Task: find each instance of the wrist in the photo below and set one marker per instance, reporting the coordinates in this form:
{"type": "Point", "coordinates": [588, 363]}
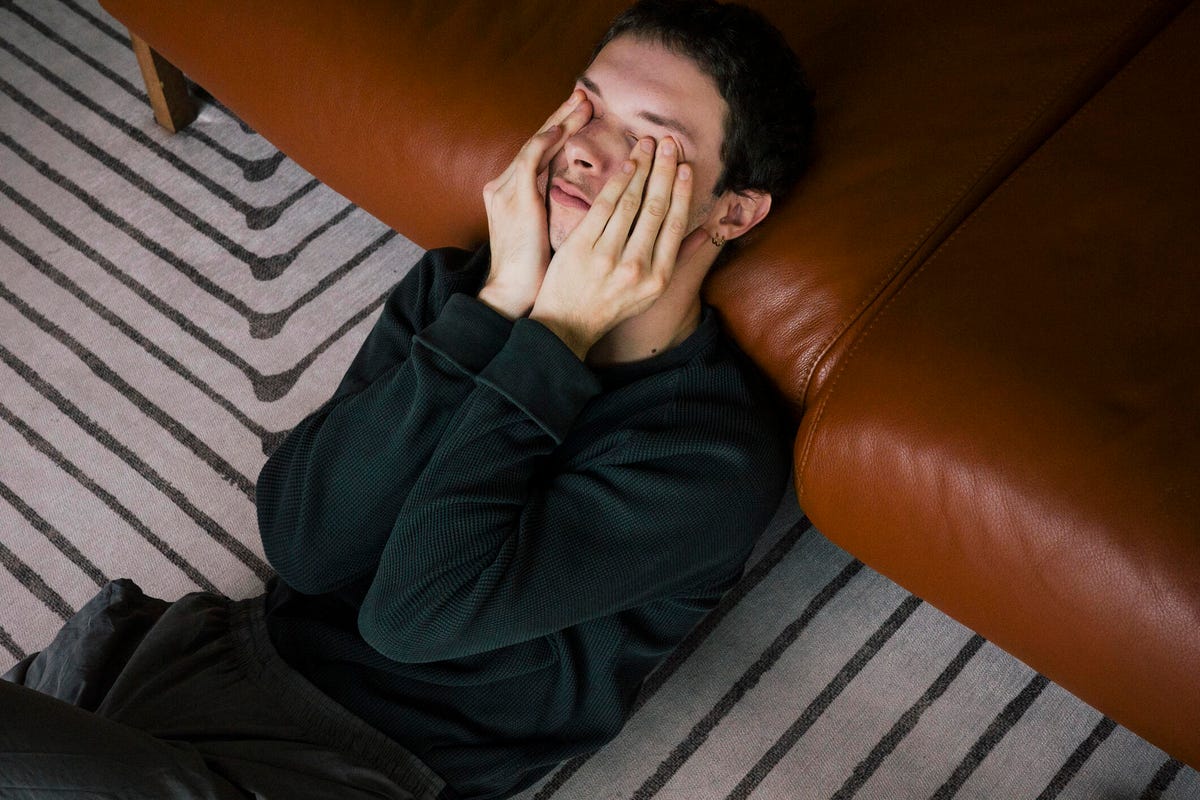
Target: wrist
{"type": "Point", "coordinates": [578, 341]}
{"type": "Point", "coordinates": [502, 302]}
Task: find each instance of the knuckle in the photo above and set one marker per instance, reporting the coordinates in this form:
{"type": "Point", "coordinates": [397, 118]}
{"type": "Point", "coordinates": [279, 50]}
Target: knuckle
{"type": "Point", "coordinates": [677, 226]}
{"type": "Point", "coordinates": [630, 204]}
{"type": "Point", "coordinates": [655, 208]}
{"type": "Point", "coordinates": [632, 268]}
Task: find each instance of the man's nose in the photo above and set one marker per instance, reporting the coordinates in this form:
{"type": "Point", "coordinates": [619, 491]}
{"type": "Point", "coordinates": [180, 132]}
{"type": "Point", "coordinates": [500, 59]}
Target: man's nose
{"type": "Point", "coordinates": [592, 150]}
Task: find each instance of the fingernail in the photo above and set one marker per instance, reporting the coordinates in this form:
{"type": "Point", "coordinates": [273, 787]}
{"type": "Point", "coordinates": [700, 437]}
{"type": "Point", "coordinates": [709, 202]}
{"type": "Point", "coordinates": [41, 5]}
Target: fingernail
{"type": "Point", "coordinates": [647, 145]}
{"type": "Point", "coordinates": [574, 99]}
{"type": "Point", "coordinates": [685, 172]}
{"type": "Point", "coordinates": [627, 167]}
{"type": "Point", "coordinates": [667, 147]}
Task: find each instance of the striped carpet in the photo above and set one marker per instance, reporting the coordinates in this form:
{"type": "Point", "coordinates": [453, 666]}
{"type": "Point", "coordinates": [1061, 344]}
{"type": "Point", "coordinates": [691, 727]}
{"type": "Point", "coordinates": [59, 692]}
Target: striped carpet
{"type": "Point", "coordinates": [170, 306]}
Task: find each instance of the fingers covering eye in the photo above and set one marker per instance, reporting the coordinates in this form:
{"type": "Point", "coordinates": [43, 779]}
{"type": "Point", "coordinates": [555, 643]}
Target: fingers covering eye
{"type": "Point", "coordinates": [631, 200]}
{"type": "Point", "coordinates": [661, 205]}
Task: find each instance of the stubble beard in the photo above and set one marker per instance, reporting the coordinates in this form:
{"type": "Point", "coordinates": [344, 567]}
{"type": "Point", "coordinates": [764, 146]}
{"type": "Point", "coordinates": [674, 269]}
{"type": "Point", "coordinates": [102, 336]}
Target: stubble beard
{"type": "Point", "coordinates": [558, 231]}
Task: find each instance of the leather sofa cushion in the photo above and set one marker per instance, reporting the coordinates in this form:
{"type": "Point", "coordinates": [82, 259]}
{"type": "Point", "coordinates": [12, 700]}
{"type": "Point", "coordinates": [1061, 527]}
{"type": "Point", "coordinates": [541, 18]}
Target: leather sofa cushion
{"type": "Point", "coordinates": [1015, 435]}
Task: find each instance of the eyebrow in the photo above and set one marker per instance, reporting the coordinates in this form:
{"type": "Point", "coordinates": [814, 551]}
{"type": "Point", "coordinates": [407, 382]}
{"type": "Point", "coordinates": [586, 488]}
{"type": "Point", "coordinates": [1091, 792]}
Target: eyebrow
{"type": "Point", "coordinates": [670, 123]}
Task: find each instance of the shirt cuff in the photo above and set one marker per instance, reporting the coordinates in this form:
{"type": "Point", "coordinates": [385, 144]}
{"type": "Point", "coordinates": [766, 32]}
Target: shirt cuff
{"type": "Point", "coordinates": [467, 332]}
{"type": "Point", "coordinates": [542, 376]}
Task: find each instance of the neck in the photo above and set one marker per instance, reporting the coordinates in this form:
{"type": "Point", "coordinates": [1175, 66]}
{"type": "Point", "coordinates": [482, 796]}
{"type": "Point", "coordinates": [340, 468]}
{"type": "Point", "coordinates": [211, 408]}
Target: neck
{"type": "Point", "coordinates": [666, 324]}
{"type": "Point", "coordinates": [654, 331]}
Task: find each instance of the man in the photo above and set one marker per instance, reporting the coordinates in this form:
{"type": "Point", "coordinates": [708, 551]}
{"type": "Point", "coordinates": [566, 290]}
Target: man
{"type": "Point", "coordinates": [545, 465]}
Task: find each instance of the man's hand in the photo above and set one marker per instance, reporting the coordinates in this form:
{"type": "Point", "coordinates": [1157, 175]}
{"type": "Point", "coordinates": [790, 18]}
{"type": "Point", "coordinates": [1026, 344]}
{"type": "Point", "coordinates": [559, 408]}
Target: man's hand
{"type": "Point", "coordinates": [604, 273]}
{"type": "Point", "coordinates": [516, 212]}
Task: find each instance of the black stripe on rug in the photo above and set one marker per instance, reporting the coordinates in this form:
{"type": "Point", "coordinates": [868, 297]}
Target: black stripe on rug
{"type": "Point", "coordinates": [177, 430]}
{"type": "Point", "coordinates": [996, 731]}
{"type": "Point", "coordinates": [817, 707]}
{"type": "Point", "coordinates": [684, 650]}
{"type": "Point", "coordinates": [135, 462]}
{"type": "Point", "coordinates": [867, 767]}
{"type": "Point", "coordinates": [52, 535]}
{"type": "Point", "coordinates": [1077, 759]}
{"type": "Point", "coordinates": [748, 680]}
{"type": "Point", "coordinates": [32, 581]}
{"type": "Point", "coordinates": [7, 642]}
{"type": "Point", "coordinates": [1162, 779]}
{"type": "Point", "coordinates": [43, 446]}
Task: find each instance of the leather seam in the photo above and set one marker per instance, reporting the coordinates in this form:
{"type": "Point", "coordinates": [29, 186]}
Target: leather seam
{"type": "Point", "coordinates": [1084, 110]}
{"type": "Point", "coordinates": [988, 162]}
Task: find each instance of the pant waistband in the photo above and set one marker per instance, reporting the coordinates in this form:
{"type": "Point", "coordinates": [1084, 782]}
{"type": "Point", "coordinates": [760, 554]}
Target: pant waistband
{"type": "Point", "coordinates": [319, 712]}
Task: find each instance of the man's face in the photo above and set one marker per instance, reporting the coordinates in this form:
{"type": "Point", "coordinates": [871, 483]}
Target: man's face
{"type": "Point", "coordinates": [637, 88]}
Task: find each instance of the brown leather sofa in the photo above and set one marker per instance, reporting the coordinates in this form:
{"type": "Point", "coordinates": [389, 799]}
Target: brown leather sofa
{"type": "Point", "coordinates": [982, 302]}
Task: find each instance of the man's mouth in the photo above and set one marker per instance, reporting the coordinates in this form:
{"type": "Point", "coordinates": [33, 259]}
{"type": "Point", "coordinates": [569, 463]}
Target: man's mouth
{"type": "Point", "coordinates": [569, 195]}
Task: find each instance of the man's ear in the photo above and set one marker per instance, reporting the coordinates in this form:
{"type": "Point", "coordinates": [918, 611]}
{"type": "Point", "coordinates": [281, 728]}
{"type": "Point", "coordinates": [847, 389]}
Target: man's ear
{"type": "Point", "coordinates": [742, 211]}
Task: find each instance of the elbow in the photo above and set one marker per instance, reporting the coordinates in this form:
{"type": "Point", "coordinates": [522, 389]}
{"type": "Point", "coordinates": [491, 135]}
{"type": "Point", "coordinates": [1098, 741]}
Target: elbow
{"type": "Point", "coordinates": [396, 631]}
{"type": "Point", "coordinates": [304, 582]}
{"type": "Point", "coordinates": [301, 577]}
{"type": "Point", "coordinates": [295, 562]}
{"type": "Point", "coordinates": [397, 642]}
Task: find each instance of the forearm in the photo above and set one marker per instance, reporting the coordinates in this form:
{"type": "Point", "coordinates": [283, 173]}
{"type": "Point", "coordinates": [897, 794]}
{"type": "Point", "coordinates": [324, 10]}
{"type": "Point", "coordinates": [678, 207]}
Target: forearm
{"type": "Point", "coordinates": [463, 518]}
{"type": "Point", "coordinates": [534, 516]}
{"type": "Point", "coordinates": [510, 304]}
{"type": "Point", "coordinates": [330, 495]}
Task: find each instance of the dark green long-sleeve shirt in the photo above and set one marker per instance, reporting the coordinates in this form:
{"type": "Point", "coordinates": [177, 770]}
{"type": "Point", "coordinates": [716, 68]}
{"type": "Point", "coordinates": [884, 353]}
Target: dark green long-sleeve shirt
{"type": "Point", "coordinates": [484, 545]}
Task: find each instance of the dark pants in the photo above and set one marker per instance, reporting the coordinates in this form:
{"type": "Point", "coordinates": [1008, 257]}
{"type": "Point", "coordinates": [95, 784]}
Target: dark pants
{"type": "Point", "coordinates": [140, 698]}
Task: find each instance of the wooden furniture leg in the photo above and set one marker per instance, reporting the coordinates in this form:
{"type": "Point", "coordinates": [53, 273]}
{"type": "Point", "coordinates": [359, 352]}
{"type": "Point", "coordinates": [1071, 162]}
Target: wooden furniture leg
{"type": "Point", "coordinates": [173, 107]}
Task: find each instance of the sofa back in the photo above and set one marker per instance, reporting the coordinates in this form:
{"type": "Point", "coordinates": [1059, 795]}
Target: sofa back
{"type": "Point", "coordinates": [979, 301]}
{"type": "Point", "coordinates": [1011, 428]}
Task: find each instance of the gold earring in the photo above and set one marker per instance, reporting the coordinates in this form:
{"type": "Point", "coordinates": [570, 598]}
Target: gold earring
{"type": "Point", "coordinates": [718, 240]}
